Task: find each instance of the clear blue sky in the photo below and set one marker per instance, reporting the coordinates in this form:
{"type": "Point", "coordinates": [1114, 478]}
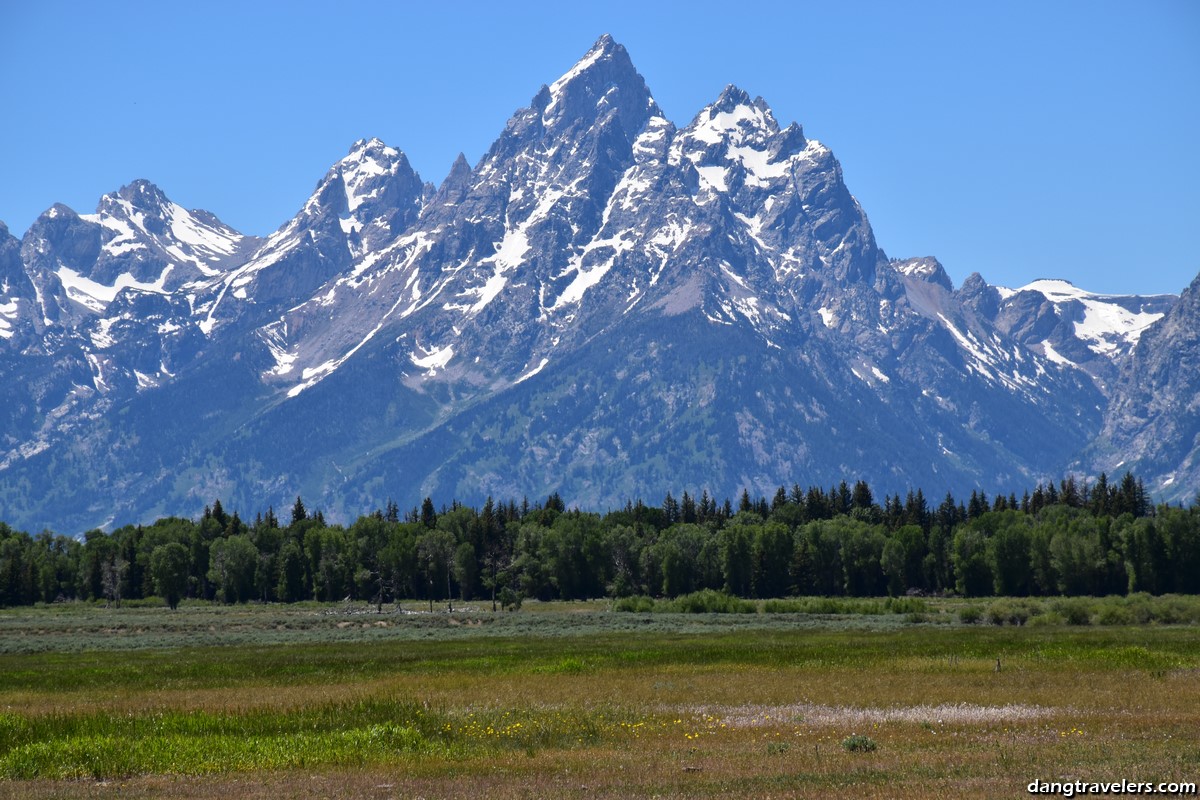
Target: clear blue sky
{"type": "Point", "coordinates": [1017, 139]}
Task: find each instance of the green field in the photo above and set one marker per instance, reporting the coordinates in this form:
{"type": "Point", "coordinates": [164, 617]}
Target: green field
{"type": "Point", "coordinates": [578, 700]}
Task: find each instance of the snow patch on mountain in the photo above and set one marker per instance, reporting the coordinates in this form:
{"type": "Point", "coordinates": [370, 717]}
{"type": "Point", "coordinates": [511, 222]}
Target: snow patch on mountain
{"type": "Point", "coordinates": [96, 296]}
{"type": "Point", "coordinates": [526, 376]}
{"type": "Point", "coordinates": [433, 360]}
{"type": "Point", "coordinates": [1108, 326]}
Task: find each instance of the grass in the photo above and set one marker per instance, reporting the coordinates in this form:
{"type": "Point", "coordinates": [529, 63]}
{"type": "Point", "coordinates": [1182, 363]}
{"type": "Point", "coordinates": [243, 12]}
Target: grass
{"type": "Point", "coordinates": [573, 700]}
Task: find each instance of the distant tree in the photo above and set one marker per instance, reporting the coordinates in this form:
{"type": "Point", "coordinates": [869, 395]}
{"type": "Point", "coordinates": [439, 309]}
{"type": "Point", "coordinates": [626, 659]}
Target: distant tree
{"type": "Point", "coordinates": [232, 565]}
{"type": "Point", "coordinates": [113, 578]}
{"type": "Point", "coordinates": [670, 509]}
{"type": "Point", "coordinates": [771, 554]}
{"type": "Point", "coordinates": [969, 553]}
{"type": "Point", "coordinates": [465, 569]}
{"type": "Point", "coordinates": [218, 513]}
{"type": "Point", "coordinates": [780, 500]}
{"type": "Point", "coordinates": [299, 513]}
{"type": "Point", "coordinates": [862, 554]}
{"type": "Point", "coordinates": [903, 559]}
{"type": "Point", "coordinates": [687, 509]}
{"type": "Point", "coordinates": [436, 554]}
{"type": "Point", "coordinates": [290, 586]}
{"type": "Point", "coordinates": [1008, 551]}
{"type": "Point", "coordinates": [169, 565]}
{"type": "Point", "coordinates": [428, 515]}
{"type": "Point", "coordinates": [861, 497]}
{"type": "Point", "coordinates": [737, 558]}
{"type": "Point", "coordinates": [843, 495]}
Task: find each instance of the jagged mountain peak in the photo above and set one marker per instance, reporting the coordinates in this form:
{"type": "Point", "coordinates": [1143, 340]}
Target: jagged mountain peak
{"type": "Point", "coordinates": [365, 200]}
{"type": "Point", "coordinates": [734, 117]}
{"type": "Point", "coordinates": [733, 96]}
{"type": "Point", "coordinates": [459, 170]}
{"type": "Point", "coordinates": [455, 185]}
{"type": "Point", "coordinates": [58, 211]}
{"type": "Point", "coordinates": [602, 84]}
{"type": "Point", "coordinates": [373, 151]}
{"type": "Point", "coordinates": [141, 193]}
{"type": "Point", "coordinates": [138, 207]}
{"type": "Point", "coordinates": [373, 182]}
{"type": "Point", "coordinates": [604, 60]}
{"type": "Point", "coordinates": [368, 170]}
{"type": "Point", "coordinates": [926, 268]}
{"type": "Point", "coordinates": [369, 143]}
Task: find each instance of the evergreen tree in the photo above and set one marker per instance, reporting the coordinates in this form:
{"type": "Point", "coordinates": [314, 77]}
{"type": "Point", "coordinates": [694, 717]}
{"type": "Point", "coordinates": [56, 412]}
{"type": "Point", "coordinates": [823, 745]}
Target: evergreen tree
{"type": "Point", "coordinates": [816, 505]}
{"type": "Point", "coordinates": [218, 513]}
{"type": "Point", "coordinates": [780, 500]}
{"type": "Point", "coordinates": [428, 515]}
{"type": "Point", "coordinates": [843, 496]}
{"type": "Point", "coordinates": [670, 509]}
{"type": "Point", "coordinates": [1070, 493]}
{"type": "Point", "coordinates": [1038, 501]}
{"type": "Point", "coordinates": [708, 507]}
{"type": "Point", "coordinates": [687, 509]}
{"type": "Point", "coordinates": [861, 497]}
{"type": "Point", "coordinates": [299, 513]}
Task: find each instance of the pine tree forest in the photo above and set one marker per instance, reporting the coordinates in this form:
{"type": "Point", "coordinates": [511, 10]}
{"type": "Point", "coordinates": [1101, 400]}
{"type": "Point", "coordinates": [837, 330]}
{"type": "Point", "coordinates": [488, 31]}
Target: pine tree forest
{"type": "Point", "coordinates": [1066, 539]}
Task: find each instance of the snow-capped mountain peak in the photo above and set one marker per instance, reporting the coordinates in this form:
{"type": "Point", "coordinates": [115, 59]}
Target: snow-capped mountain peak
{"type": "Point", "coordinates": [734, 118]}
{"type": "Point", "coordinates": [365, 169]}
{"type": "Point", "coordinates": [603, 83]}
{"type": "Point", "coordinates": [139, 216]}
{"type": "Point", "coordinates": [927, 269]}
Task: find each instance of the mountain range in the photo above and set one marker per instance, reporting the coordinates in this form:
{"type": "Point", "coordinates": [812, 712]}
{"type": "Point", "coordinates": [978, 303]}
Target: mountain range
{"type": "Point", "coordinates": [604, 306]}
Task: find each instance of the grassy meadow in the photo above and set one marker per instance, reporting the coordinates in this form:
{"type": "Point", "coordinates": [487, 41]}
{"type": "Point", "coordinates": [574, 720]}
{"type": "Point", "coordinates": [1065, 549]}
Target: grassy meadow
{"type": "Point", "coordinates": [576, 700]}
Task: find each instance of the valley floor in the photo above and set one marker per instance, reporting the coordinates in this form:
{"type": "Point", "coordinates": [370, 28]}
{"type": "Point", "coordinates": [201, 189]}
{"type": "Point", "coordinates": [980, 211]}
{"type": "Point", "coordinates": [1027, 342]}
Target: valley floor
{"type": "Point", "coordinates": [575, 700]}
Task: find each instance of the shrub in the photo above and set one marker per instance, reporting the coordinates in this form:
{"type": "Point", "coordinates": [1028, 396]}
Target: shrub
{"type": "Point", "coordinates": [1048, 618]}
{"type": "Point", "coordinates": [1113, 614]}
{"type": "Point", "coordinates": [906, 605]}
{"type": "Point", "coordinates": [969, 615]}
{"type": "Point", "coordinates": [783, 607]}
{"type": "Point", "coordinates": [509, 600]}
{"type": "Point", "coordinates": [1075, 611]}
{"type": "Point", "coordinates": [1011, 612]}
{"type": "Point", "coordinates": [709, 601]}
{"type": "Point", "coordinates": [638, 604]}
{"type": "Point", "coordinates": [857, 743]}
{"type": "Point", "coordinates": [1141, 608]}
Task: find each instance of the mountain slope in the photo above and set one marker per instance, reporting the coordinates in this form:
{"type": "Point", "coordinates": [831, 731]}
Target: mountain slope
{"type": "Point", "coordinates": [1152, 425]}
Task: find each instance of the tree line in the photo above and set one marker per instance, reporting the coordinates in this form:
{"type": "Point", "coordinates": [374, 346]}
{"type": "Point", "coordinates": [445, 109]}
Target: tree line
{"type": "Point", "coordinates": [1067, 539]}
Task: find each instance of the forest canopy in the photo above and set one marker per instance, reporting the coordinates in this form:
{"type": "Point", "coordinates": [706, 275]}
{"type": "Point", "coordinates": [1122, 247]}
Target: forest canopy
{"type": "Point", "coordinates": [1067, 539]}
